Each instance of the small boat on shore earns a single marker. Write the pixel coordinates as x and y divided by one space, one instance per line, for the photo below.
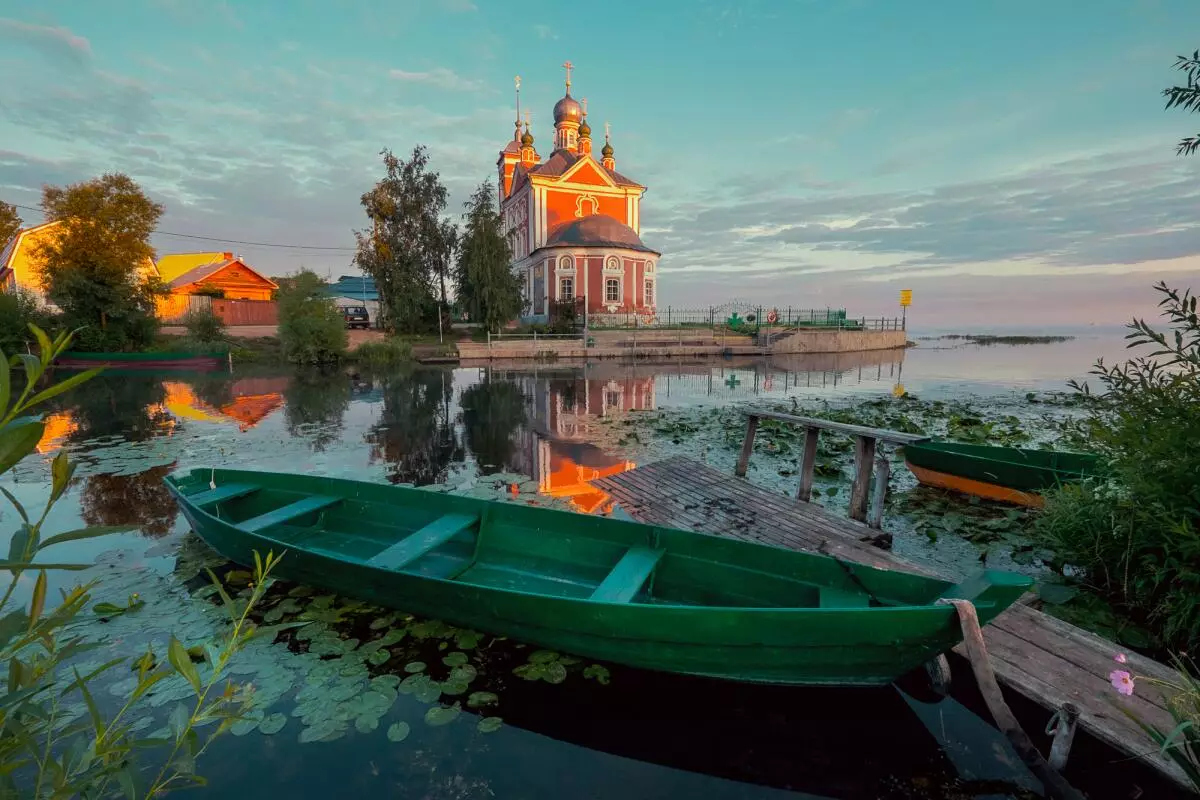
143 361
1005 474
608 589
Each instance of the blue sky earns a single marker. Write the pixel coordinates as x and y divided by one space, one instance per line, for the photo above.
1010 161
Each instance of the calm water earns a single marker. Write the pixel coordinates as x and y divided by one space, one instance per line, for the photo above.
533 433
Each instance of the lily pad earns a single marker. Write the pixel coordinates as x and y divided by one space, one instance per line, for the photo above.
455 659
489 724
385 682
379 657
442 715
383 622
398 731
555 673
414 666
452 687
272 724
543 657
481 699
392 636
464 674
366 724
598 672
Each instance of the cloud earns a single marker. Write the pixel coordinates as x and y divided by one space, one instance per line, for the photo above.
544 32
459 6
439 77
54 43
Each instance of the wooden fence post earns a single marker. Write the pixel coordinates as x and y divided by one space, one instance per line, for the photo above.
747 447
883 471
864 454
809 463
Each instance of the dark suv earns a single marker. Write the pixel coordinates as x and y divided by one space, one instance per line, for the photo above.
356 317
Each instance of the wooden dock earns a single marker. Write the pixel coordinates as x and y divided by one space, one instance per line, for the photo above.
1042 658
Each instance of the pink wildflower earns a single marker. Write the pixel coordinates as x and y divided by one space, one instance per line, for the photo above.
1120 658
1122 681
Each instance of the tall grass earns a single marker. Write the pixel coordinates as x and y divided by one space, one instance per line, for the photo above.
386 353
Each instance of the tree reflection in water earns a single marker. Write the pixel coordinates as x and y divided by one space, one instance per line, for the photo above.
316 402
492 412
140 500
130 406
415 433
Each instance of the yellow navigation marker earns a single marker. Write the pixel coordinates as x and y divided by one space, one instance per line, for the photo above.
906 297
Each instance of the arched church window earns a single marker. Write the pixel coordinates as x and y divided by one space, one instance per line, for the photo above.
565 263
612 290
613 264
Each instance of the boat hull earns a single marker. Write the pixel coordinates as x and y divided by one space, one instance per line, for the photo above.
988 491
806 646
1005 474
204 362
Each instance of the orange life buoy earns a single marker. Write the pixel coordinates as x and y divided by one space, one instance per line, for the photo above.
772 316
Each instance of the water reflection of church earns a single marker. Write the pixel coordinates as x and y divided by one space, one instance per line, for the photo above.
563 408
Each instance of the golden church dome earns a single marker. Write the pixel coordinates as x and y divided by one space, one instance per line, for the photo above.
567 110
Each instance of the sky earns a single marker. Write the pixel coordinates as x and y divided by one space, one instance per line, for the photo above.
1010 161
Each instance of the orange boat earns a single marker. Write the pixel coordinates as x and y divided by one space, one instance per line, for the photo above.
1004 474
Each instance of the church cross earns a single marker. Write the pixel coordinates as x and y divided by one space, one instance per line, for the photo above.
607 131
567 65
583 103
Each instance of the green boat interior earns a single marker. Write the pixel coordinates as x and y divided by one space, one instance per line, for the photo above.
507 546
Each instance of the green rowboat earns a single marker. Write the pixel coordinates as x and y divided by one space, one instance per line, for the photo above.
1006 474
608 589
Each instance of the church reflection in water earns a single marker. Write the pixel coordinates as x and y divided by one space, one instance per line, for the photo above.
563 410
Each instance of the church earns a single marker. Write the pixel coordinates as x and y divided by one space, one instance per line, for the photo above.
573 222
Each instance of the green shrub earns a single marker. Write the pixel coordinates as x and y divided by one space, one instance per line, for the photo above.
1134 535
386 353
204 327
311 329
17 310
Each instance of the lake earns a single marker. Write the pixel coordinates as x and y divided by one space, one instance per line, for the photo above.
340 694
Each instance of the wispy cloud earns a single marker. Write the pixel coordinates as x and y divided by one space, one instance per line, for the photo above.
544 32
439 77
55 43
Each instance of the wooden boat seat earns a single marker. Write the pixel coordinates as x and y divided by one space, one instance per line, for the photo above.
628 576
230 491
421 541
287 513
843 598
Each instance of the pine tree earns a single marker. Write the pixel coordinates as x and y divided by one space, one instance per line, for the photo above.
487 287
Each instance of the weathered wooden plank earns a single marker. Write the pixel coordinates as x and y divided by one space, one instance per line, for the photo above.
747 447
893 437
1043 658
807 467
864 456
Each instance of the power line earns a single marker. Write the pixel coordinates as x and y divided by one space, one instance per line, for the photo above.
226 241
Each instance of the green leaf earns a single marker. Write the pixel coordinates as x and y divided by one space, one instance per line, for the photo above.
38 602
1056 593
489 724
442 715
272 724
414 666
45 348
179 720
61 470
599 673
481 699
20 566
86 533
90 702
182 663
18 545
398 732
555 673
455 659
62 386
33 368
18 439
15 504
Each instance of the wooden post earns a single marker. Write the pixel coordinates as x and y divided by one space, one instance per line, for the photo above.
747 447
1062 728
883 470
809 463
864 454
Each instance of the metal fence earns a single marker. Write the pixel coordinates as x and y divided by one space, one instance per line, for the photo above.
743 318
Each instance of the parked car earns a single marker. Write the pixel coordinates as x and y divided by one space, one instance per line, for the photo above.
356 316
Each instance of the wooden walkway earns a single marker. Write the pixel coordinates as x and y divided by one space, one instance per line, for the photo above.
1042 658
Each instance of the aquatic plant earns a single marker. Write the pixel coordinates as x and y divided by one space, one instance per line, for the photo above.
1133 535
1182 743
54 739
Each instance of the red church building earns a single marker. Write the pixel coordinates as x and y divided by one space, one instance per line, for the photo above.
572 221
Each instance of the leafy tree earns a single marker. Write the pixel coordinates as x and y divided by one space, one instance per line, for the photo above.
407 243
95 270
10 223
311 329
1186 97
487 287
